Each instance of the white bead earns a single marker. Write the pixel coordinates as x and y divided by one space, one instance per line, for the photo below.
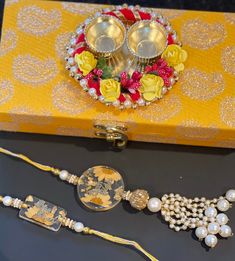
101 98
63 174
73 41
213 228
116 103
78 227
92 91
79 30
230 195
211 240
87 21
210 212
201 232
83 83
141 102
73 69
70 51
222 219
127 103
71 61
223 205
225 231
154 204
172 81
7 200
164 90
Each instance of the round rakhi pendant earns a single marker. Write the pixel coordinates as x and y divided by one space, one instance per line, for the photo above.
100 188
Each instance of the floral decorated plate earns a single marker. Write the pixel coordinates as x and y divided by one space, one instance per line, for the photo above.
126 56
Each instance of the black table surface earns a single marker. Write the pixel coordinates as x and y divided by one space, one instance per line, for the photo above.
159 168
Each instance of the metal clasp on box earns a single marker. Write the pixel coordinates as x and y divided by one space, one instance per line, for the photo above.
115 134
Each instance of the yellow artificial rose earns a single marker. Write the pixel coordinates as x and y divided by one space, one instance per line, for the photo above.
86 62
110 89
175 56
151 86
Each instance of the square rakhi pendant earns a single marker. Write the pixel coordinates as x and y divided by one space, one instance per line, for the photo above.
42 213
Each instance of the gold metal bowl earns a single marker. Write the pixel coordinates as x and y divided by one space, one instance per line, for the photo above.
146 40
104 35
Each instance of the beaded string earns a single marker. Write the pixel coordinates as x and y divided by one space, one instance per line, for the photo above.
79 227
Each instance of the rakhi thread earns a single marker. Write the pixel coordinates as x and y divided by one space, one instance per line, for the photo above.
101 188
52 217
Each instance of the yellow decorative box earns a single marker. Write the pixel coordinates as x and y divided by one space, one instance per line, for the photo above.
37 94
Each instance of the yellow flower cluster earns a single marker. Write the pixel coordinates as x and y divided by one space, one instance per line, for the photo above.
110 89
151 86
174 55
86 62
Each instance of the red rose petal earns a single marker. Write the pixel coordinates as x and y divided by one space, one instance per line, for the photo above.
79 50
144 16
129 15
135 96
170 39
81 38
121 98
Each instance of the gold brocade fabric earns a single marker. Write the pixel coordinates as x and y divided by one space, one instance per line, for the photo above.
37 94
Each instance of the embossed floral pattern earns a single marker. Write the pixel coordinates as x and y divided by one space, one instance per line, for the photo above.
200 85
202 35
37 21
33 70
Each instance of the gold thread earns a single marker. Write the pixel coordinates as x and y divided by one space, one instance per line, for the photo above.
118 240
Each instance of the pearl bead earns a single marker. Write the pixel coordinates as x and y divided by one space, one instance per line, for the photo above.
70 51
83 83
223 205
201 232
141 102
213 228
210 212
63 174
116 103
211 240
154 204
127 103
222 219
230 195
7 200
73 69
164 90
71 61
225 231
73 41
79 30
78 227
92 91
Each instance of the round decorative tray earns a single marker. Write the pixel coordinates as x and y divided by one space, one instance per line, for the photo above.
125 56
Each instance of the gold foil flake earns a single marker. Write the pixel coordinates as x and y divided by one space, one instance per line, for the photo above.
169 13
228 59
161 111
70 98
200 85
6 90
81 8
100 188
8 41
37 21
192 129
34 71
60 45
202 35
230 18
227 111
